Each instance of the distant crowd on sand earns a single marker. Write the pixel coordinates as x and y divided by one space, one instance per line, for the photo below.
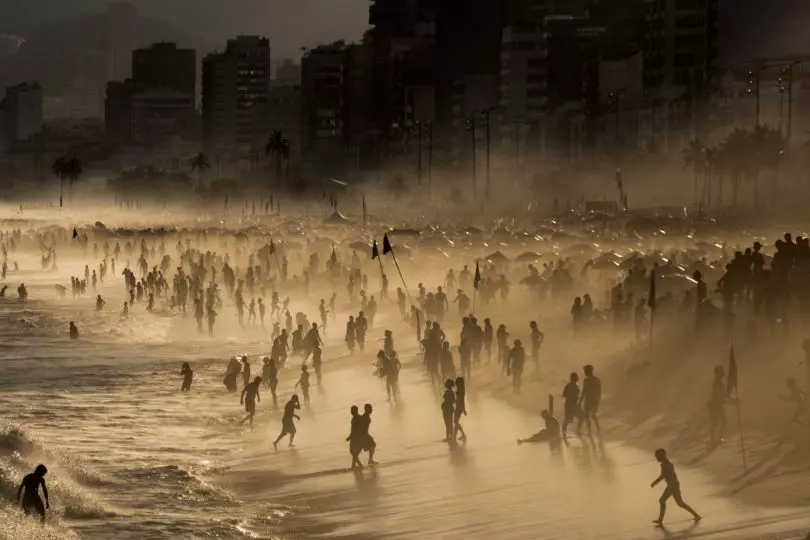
255 288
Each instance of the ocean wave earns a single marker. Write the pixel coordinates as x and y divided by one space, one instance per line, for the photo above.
190 479
19 454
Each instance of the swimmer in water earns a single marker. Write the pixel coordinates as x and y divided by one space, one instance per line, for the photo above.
31 501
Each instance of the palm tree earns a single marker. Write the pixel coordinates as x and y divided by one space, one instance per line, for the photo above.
712 162
737 155
771 152
66 167
284 153
694 156
273 148
200 164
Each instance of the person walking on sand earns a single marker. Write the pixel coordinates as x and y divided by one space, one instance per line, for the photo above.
589 400
31 501
571 396
461 409
303 382
287 423
448 410
673 488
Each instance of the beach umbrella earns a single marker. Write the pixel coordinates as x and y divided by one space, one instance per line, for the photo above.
359 246
528 256
497 258
533 280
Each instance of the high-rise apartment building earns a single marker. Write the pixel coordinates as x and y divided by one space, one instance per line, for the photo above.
235 98
20 113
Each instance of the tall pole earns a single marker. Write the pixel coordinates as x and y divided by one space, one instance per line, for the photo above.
790 103
474 167
430 161
487 113
419 127
759 76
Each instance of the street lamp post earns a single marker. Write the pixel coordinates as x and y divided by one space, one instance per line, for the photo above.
470 125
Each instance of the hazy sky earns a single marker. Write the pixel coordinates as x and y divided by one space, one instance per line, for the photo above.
748 27
290 24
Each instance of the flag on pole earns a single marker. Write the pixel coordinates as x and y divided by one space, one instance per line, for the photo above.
477 278
551 404
272 247
375 251
386 245
651 299
333 258
731 380
75 233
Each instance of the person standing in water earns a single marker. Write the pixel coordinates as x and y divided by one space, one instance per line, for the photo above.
250 395
303 382
537 342
369 444
270 377
31 501
448 409
516 360
461 408
245 371
673 488
317 361
287 423
188 376
73 331
355 438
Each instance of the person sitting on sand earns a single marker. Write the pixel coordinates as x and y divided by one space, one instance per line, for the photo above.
73 331
551 433
22 291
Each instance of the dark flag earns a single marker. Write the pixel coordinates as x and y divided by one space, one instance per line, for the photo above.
477 278
550 404
651 299
386 245
75 233
333 258
272 247
375 251
731 380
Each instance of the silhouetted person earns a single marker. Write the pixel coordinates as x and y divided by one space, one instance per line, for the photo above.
303 382
537 342
188 376
550 433
516 361
571 396
590 399
250 395
448 408
30 485
673 488
369 444
22 292
270 377
287 422
355 438
73 331
799 398
317 360
461 408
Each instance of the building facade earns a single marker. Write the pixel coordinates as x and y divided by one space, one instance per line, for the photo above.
20 113
236 87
